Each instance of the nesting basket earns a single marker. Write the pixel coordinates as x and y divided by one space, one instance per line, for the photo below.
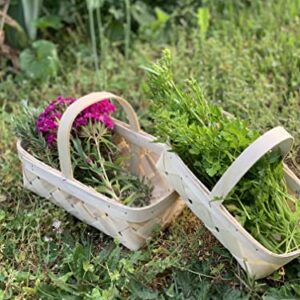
130 225
258 261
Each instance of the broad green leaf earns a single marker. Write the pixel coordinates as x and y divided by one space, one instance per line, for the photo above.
40 62
213 170
61 284
96 294
46 22
23 276
161 16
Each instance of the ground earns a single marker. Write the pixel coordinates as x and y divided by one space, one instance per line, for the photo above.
248 62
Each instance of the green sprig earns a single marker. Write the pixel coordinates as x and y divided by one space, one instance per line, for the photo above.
208 141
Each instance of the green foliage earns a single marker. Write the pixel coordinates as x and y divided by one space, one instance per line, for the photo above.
26 131
203 17
288 291
17 37
47 22
31 10
40 62
208 142
79 270
99 162
248 65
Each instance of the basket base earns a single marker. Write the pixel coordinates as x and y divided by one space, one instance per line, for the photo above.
132 235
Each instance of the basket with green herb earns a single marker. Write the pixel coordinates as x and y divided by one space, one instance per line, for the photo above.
97 168
231 177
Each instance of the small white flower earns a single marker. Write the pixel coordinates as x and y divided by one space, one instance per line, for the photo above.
47 239
56 224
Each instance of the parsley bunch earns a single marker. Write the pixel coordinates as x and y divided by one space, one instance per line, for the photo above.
208 141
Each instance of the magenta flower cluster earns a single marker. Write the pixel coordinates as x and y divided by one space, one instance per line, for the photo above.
48 120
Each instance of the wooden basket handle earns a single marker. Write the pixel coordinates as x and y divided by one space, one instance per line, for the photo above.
66 122
277 137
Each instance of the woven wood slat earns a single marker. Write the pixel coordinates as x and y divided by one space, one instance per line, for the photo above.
258 261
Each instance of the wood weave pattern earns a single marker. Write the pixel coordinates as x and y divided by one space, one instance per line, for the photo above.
131 226
253 257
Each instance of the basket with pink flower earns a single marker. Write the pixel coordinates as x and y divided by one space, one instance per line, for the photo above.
97 168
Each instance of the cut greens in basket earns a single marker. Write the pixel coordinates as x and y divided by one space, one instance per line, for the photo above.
208 141
97 160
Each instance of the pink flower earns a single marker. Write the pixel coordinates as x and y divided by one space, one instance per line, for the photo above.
47 122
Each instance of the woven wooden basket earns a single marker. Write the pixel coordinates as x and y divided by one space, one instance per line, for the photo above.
250 254
130 225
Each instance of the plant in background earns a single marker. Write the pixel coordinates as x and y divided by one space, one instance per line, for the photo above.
31 10
203 17
40 62
25 13
97 160
208 142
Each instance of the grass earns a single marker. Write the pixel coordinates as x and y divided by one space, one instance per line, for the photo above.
249 63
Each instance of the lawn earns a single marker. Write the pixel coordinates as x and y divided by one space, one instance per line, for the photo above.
246 56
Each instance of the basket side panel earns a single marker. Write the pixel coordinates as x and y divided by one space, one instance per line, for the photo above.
131 235
251 255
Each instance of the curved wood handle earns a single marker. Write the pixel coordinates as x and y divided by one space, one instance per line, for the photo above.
66 122
277 137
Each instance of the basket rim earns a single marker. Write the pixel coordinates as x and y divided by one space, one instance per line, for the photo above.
230 217
169 196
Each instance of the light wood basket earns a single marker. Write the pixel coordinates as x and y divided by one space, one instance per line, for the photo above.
253 257
130 225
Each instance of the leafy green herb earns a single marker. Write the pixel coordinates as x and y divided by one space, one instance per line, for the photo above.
208 141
